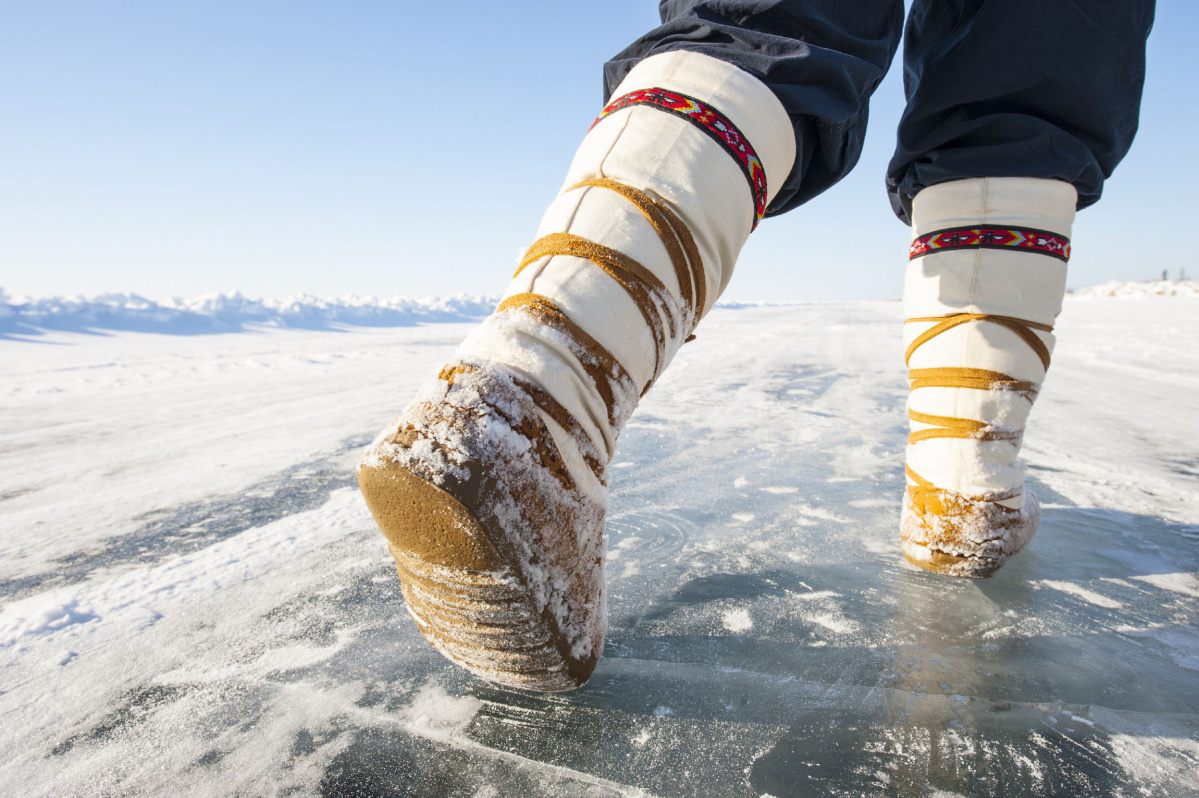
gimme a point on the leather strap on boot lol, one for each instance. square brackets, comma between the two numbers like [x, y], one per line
[982, 237]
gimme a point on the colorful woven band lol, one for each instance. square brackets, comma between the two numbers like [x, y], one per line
[1027, 240]
[709, 120]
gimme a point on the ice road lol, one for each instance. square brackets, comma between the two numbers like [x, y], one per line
[195, 600]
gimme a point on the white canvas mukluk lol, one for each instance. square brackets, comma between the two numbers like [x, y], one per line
[983, 288]
[491, 487]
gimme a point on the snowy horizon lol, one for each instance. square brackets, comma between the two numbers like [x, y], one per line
[224, 312]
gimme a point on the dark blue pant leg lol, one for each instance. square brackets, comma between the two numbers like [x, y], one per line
[1019, 88]
[822, 58]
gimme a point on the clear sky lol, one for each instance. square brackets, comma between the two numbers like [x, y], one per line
[167, 147]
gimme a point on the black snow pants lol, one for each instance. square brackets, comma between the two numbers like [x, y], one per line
[995, 88]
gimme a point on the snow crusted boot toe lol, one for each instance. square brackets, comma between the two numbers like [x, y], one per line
[468, 462]
[491, 486]
[984, 285]
[948, 533]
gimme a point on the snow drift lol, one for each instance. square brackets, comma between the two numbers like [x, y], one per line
[232, 312]
[1138, 289]
[229, 312]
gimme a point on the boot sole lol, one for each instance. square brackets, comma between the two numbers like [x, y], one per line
[939, 562]
[468, 599]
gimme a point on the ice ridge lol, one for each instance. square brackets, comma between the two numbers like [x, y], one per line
[229, 312]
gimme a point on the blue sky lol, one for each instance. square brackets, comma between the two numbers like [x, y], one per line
[398, 148]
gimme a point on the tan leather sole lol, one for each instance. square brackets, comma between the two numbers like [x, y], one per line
[468, 599]
[936, 561]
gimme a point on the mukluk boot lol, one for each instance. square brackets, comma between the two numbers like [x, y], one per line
[984, 285]
[491, 486]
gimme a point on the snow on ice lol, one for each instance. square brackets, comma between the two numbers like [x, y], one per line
[195, 601]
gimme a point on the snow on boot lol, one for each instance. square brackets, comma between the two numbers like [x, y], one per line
[491, 486]
[984, 285]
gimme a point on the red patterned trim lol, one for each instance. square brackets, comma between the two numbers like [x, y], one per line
[1025, 239]
[712, 122]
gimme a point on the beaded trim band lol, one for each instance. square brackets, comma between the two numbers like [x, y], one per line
[712, 122]
[1029, 240]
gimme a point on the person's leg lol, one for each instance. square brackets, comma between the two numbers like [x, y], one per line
[823, 59]
[1019, 89]
[491, 487]
[1016, 114]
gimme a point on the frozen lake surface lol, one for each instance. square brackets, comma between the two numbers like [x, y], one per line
[195, 600]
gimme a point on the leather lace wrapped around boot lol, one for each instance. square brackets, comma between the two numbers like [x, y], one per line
[491, 486]
[984, 285]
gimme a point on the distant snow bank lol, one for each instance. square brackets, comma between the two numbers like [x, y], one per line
[214, 313]
[1138, 289]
